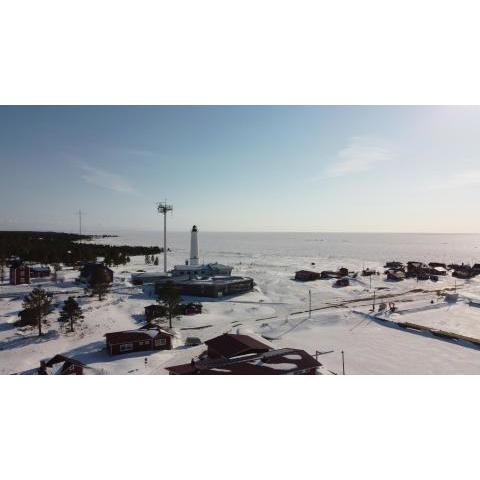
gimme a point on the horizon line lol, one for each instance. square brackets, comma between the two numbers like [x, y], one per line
[132, 229]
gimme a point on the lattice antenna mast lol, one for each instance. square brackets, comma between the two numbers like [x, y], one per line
[80, 213]
[164, 208]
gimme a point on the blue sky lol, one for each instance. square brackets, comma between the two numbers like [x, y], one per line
[405, 169]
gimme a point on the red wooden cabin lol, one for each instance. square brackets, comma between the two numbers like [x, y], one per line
[19, 274]
[150, 337]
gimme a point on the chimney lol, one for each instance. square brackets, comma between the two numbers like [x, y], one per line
[194, 247]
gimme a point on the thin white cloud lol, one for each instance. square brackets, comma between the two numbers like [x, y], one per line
[103, 179]
[360, 155]
[465, 179]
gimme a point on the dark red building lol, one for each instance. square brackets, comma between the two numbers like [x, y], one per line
[19, 274]
[150, 337]
[154, 311]
[158, 311]
[306, 276]
[235, 354]
[61, 365]
[285, 361]
[190, 308]
[89, 269]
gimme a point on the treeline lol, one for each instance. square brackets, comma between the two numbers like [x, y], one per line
[67, 248]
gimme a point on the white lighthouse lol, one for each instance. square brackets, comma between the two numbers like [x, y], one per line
[194, 247]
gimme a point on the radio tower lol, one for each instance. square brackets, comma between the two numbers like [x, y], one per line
[79, 213]
[164, 208]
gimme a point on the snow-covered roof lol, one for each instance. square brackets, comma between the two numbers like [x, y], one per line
[132, 335]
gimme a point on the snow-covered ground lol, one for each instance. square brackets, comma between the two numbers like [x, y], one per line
[276, 309]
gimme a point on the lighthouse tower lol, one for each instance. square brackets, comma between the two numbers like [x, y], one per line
[194, 247]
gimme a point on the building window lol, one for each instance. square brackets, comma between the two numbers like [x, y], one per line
[126, 347]
[160, 342]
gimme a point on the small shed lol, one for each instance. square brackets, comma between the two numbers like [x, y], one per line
[306, 275]
[158, 311]
[27, 317]
[439, 271]
[190, 308]
[61, 365]
[154, 311]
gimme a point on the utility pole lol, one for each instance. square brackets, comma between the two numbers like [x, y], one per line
[164, 208]
[374, 297]
[343, 362]
[309, 304]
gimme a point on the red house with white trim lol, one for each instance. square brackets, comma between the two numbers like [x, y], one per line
[150, 337]
[19, 274]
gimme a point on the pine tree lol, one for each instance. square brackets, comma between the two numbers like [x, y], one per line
[2, 269]
[39, 304]
[156, 261]
[107, 259]
[99, 283]
[71, 312]
[147, 259]
[169, 297]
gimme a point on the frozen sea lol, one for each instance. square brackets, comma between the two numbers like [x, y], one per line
[351, 248]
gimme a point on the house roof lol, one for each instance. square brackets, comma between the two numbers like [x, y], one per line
[275, 362]
[40, 268]
[61, 358]
[230, 345]
[152, 327]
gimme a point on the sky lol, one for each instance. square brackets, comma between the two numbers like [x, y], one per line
[241, 168]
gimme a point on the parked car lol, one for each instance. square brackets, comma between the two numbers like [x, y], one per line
[192, 342]
[342, 282]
